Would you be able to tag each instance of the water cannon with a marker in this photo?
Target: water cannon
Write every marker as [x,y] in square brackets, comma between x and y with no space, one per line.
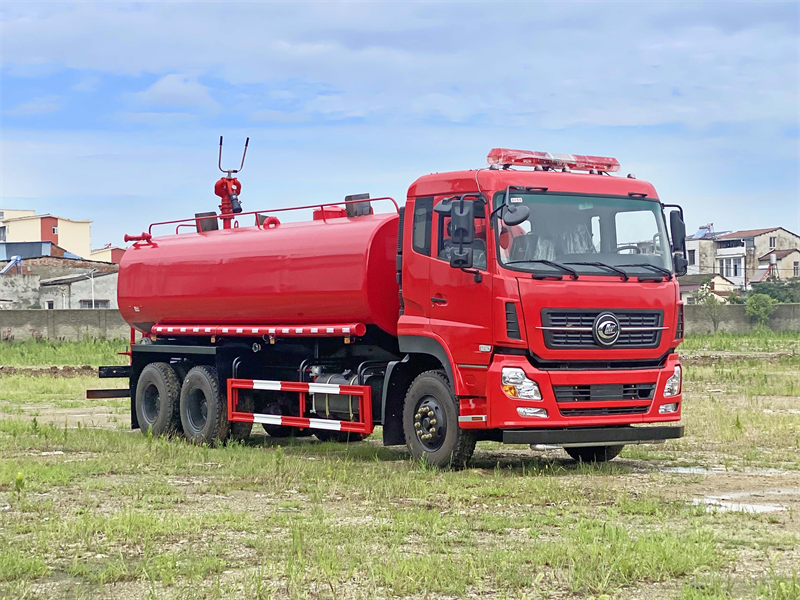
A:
[228,188]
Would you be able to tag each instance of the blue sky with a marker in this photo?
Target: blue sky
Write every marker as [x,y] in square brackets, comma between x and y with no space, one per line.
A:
[113,111]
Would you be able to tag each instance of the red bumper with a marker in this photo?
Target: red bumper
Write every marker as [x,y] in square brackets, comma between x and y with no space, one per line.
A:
[577,404]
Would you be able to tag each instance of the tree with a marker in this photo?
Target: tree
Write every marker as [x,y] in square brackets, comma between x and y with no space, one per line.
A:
[712,308]
[782,291]
[735,297]
[760,307]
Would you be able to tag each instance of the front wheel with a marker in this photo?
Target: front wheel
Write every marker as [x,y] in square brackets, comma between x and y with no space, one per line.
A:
[594,454]
[430,423]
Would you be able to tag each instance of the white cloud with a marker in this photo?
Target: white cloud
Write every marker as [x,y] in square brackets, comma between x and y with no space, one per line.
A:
[87,84]
[39,106]
[176,90]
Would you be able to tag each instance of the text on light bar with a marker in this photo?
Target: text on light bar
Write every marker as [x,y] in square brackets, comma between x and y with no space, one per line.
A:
[527,158]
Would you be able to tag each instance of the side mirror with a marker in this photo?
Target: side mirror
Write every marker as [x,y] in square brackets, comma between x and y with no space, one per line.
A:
[462,222]
[461,258]
[515,215]
[678,230]
[680,263]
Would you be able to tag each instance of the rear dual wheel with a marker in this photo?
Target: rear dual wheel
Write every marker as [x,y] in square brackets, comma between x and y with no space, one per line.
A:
[157,400]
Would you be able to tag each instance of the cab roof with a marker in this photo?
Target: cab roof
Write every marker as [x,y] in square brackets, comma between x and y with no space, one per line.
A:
[493,180]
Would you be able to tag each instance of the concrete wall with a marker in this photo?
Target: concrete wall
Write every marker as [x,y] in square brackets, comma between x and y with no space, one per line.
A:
[18,291]
[62,324]
[75,324]
[734,319]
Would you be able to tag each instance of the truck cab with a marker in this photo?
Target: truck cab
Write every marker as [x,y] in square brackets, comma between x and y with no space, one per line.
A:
[556,313]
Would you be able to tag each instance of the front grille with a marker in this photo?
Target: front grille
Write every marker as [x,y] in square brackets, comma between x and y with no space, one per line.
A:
[582,321]
[604,392]
[596,412]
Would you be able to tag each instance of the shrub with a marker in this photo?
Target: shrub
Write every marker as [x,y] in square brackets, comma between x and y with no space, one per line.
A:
[760,307]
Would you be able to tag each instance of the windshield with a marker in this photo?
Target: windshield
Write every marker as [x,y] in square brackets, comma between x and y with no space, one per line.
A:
[569,230]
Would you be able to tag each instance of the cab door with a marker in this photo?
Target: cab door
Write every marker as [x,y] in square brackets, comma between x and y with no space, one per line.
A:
[460,307]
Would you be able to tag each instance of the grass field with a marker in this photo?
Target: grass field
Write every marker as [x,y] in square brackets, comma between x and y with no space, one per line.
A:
[89,509]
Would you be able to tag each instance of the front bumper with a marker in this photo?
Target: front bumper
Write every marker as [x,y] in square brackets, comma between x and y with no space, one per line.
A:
[598,436]
[498,411]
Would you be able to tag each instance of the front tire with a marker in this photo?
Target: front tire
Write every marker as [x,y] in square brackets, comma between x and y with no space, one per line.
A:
[203,409]
[594,454]
[430,423]
[157,400]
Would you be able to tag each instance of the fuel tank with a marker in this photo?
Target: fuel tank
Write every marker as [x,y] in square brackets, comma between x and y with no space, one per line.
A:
[338,270]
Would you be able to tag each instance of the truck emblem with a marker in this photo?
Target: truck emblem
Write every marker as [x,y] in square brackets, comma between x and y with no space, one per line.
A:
[606,329]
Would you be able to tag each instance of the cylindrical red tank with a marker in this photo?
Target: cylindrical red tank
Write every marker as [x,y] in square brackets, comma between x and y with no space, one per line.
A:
[315,272]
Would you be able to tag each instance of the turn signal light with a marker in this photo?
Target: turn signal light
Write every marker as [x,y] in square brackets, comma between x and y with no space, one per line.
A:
[526,158]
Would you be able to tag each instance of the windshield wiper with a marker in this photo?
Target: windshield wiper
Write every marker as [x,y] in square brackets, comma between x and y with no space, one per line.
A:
[619,272]
[549,263]
[661,270]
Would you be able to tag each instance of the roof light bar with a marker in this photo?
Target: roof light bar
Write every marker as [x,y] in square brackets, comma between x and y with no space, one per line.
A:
[526,158]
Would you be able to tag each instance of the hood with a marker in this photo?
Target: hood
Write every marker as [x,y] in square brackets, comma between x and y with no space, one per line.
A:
[570,308]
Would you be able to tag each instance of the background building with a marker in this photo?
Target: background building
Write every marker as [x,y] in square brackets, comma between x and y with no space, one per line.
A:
[26,226]
[743,257]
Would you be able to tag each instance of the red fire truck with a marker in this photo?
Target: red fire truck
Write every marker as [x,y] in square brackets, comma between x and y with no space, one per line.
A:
[533,301]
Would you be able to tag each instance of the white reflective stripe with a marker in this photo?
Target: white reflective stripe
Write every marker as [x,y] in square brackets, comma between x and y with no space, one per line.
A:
[169,329]
[183,329]
[255,329]
[315,330]
[325,424]
[261,384]
[345,329]
[267,419]
[272,330]
[196,329]
[159,328]
[323,388]
[224,330]
[330,329]
[240,330]
[285,330]
[299,330]
[471,418]
[208,329]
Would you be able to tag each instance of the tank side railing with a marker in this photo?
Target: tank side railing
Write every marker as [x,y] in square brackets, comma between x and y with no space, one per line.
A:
[194,220]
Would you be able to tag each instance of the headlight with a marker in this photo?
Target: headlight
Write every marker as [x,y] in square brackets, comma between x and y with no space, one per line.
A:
[673,385]
[517,385]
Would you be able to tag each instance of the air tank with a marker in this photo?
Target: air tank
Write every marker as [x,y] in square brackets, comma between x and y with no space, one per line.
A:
[336,270]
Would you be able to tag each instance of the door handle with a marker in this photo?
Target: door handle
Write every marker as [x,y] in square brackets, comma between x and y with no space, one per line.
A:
[438,300]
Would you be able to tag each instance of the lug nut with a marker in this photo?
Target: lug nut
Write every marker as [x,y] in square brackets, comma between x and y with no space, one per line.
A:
[417,416]
[432,430]
[433,421]
[417,426]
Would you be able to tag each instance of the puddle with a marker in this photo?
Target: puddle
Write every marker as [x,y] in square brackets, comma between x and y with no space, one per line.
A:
[723,502]
[718,470]
[725,506]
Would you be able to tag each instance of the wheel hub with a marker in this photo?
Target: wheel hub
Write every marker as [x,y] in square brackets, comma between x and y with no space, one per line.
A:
[430,424]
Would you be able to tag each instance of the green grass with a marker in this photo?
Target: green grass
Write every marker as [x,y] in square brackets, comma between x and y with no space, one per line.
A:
[97,512]
[761,340]
[33,352]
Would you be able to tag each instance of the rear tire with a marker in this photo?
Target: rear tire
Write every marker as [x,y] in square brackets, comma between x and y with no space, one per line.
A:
[157,400]
[343,437]
[594,454]
[204,412]
[241,430]
[449,446]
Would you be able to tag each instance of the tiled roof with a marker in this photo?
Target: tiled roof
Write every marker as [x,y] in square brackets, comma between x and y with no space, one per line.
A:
[779,253]
[747,233]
